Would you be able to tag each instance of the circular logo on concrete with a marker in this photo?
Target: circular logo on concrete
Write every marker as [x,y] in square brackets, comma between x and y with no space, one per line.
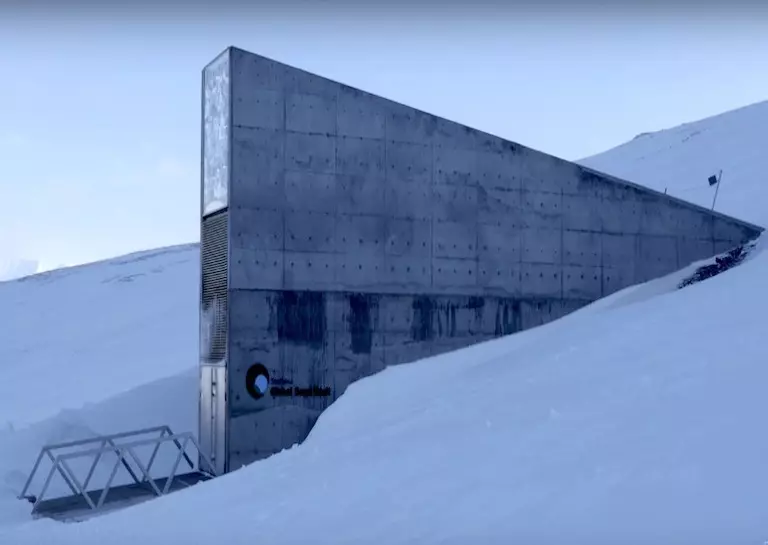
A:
[257,381]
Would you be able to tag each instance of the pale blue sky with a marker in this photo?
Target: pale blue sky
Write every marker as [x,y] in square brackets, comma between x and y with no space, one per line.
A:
[100,130]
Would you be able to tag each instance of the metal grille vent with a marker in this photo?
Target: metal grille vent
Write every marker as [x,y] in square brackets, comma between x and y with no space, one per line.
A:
[213,311]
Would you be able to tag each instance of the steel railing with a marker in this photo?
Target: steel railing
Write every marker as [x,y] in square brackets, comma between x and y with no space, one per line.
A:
[126,453]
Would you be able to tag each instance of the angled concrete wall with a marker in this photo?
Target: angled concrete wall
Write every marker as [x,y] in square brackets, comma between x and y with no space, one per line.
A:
[364,233]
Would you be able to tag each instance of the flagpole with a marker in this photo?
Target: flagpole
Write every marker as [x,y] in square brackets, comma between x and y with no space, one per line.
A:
[717,188]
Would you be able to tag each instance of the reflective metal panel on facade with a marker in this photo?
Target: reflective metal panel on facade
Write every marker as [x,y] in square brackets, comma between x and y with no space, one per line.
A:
[216,123]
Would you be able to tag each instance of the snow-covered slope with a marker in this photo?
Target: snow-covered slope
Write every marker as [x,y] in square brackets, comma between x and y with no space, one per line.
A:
[638,419]
[94,349]
[681,159]
[84,334]
[13,269]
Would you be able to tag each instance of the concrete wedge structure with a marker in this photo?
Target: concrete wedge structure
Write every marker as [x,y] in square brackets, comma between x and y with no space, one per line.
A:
[342,232]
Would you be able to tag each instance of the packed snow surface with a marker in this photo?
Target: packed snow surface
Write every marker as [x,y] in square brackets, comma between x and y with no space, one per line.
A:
[638,419]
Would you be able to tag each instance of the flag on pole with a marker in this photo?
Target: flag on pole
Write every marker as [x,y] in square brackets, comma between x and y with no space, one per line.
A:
[715,180]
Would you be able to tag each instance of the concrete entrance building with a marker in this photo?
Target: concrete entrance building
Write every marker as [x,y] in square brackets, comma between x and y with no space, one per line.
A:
[343,232]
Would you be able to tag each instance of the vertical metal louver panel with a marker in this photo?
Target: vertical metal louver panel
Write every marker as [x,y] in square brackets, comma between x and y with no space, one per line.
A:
[213,311]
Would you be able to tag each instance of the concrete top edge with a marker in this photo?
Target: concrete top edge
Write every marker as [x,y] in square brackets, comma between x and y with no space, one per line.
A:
[668,197]
[219,57]
[607,177]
